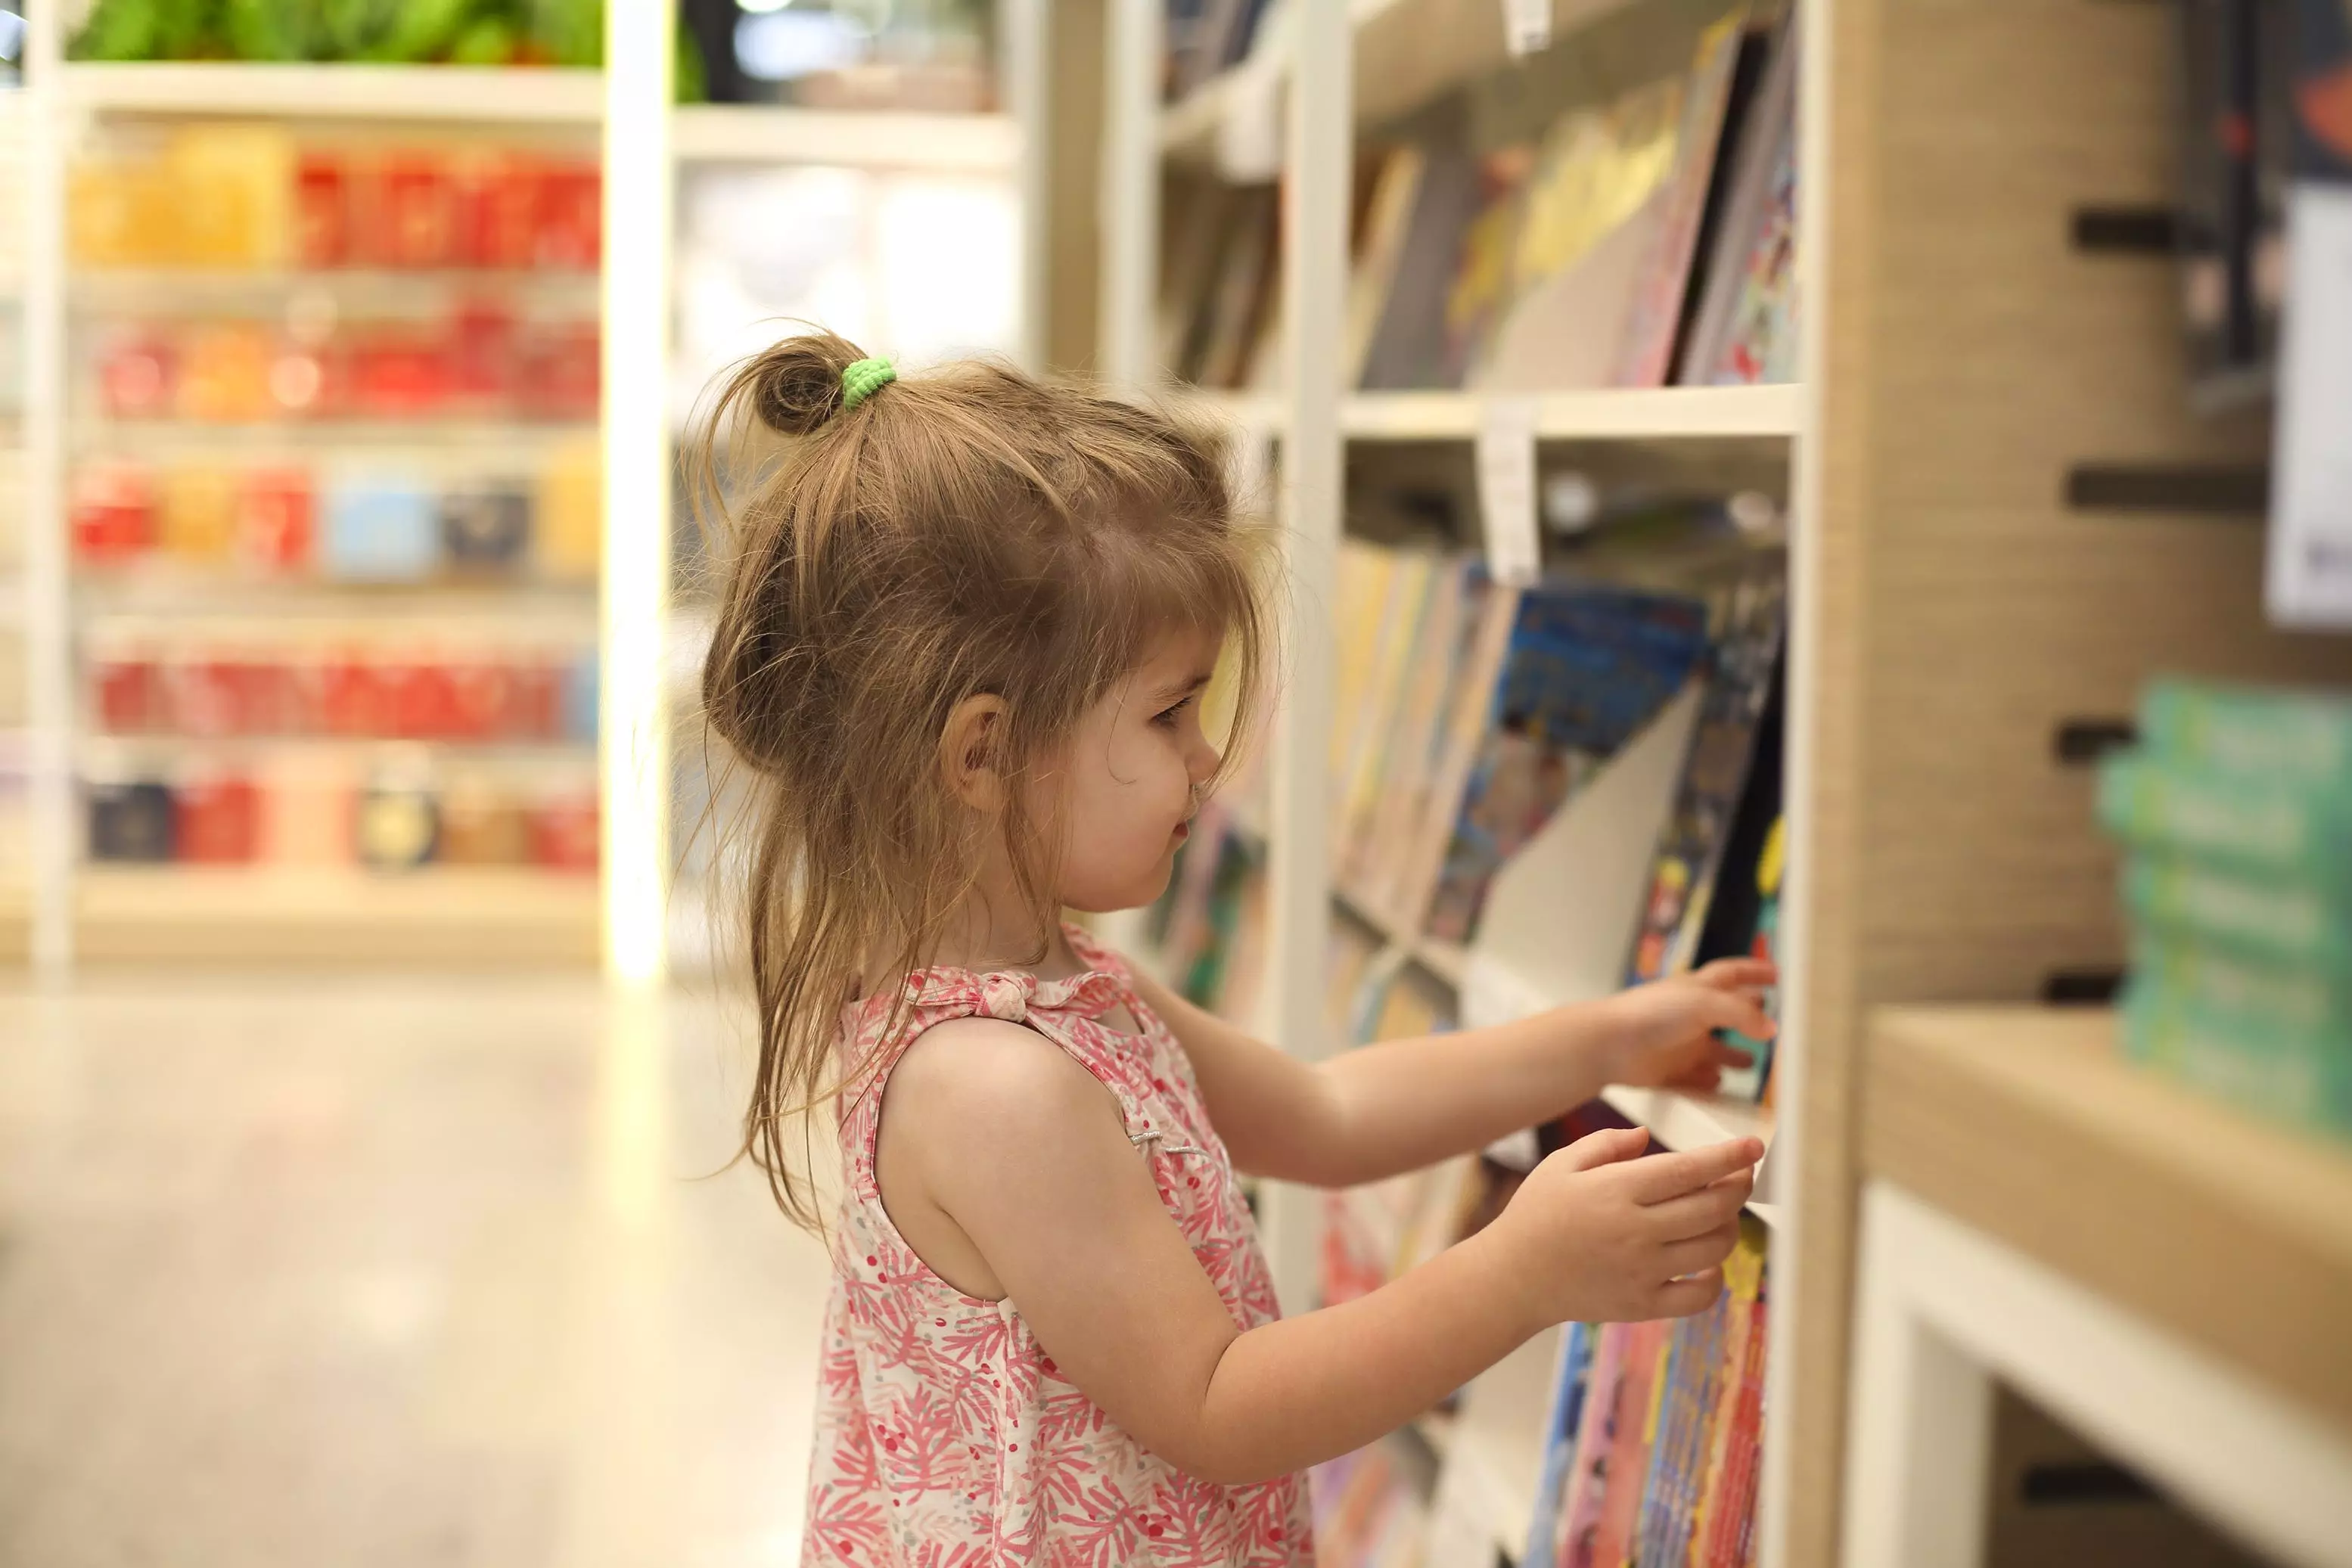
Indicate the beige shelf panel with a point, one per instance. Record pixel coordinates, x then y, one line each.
456 93
2027 1124
445 916
1605 413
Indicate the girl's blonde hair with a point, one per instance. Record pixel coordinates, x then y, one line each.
971 531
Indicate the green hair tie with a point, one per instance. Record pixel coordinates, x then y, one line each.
863 380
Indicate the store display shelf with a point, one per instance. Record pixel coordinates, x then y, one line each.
447 434
572 605
104 753
180 291
471 917
866 138
1607 414
2028 1124
456 93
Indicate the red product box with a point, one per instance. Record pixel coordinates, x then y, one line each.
276 518
138 376
571 217
398 374
536 710
480 356
354 695
500 196
562 369
424 695
113 509
217 820
563 832
414 217
322 209
482 700
126 690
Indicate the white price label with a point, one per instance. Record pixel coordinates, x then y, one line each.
1527 25
2310 579
1507 489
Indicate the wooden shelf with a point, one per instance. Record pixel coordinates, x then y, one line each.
1608 413
2027 1124
747 133
456 93
463 917
1448 961
1494 1449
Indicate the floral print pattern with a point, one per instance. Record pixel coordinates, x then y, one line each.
946 1437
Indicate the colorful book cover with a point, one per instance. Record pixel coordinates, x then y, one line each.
1408 351
1727 1541
1766 130
1411 866
1481 287
1760 345
1581 1491
2237 143
1585 668
1742 678
1569 1386
1412 582
1657 312
2303 737
1629 1449
2292 1076
1749 1082
2191 976
1400 775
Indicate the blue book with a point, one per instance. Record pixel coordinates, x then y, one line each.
379 530
1560 1440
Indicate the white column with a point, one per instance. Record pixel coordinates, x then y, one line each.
55 823
1023 53
634 741
1134 33
1314 289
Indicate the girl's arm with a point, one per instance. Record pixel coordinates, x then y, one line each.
1380 1110
1025 1151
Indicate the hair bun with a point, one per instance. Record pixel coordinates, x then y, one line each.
796 383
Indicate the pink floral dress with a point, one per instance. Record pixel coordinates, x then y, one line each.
945 1436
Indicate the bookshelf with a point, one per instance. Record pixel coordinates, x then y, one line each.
2005 520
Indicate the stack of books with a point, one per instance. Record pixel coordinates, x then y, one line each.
1655 1446
2236 812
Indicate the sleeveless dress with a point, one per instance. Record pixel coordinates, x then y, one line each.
945 1436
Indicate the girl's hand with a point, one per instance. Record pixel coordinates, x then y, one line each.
1663 1034
1605 1236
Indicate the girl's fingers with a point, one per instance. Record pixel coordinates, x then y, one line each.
1754 973
1682 1298
1701 1251
1697 1213
1662 1176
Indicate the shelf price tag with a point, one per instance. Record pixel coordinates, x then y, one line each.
1527 25
1507 489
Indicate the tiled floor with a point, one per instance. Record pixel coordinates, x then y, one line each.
375 1272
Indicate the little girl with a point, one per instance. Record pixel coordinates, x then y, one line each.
962 650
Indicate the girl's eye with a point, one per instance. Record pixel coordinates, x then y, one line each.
1166 718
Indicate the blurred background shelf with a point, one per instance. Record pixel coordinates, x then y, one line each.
465 94
1643 413
461 918
1493 1445
853 139
2030 1124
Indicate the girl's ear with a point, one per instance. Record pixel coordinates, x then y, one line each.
968 753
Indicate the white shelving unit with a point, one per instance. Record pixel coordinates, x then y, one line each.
1328 71
467 95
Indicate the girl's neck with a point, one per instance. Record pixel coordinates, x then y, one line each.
986 936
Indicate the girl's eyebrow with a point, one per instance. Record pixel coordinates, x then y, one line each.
1173 694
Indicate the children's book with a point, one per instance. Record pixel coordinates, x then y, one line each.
2267 732
1766 138
1408 347
1582 1486
1629 1448
1751 1082
1584 669
2261 826
1400 775
1741 681
1481 288
1646 354
1570 1381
